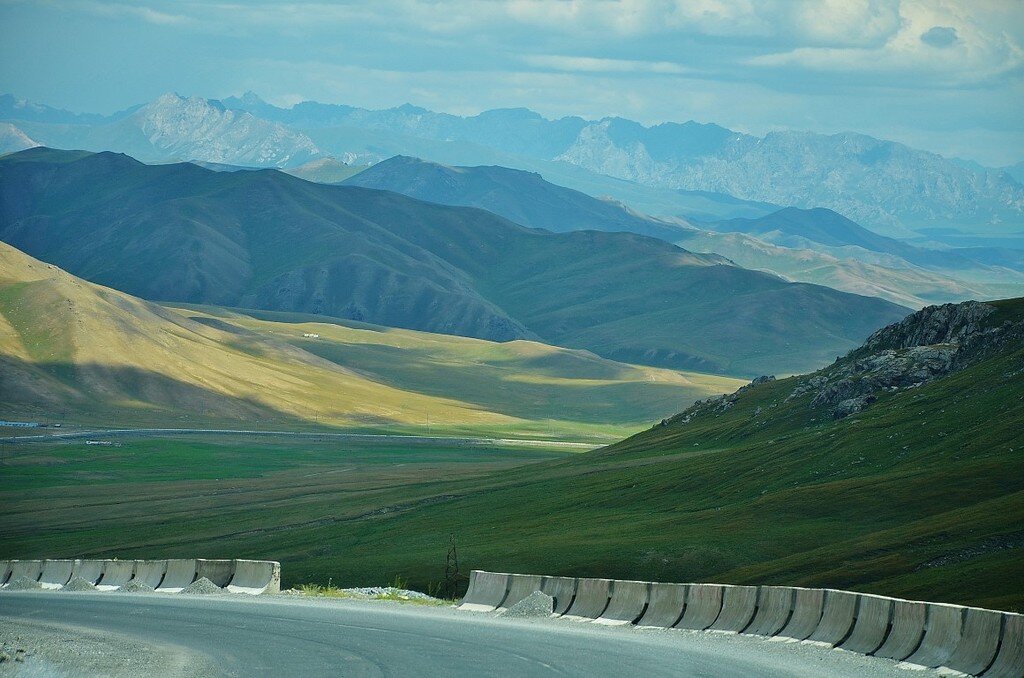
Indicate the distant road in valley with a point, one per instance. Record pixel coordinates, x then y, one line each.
351 437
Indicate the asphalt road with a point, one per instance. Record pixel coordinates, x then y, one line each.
281 635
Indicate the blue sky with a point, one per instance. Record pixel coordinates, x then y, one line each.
943 75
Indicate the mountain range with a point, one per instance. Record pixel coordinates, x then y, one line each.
267 240
692 167
818 246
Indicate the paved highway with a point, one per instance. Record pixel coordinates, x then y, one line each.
281 635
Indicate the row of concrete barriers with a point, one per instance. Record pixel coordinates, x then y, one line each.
167 576
968 640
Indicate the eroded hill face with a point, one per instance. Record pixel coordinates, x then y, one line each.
270 241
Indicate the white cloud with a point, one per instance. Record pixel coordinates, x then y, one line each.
580 64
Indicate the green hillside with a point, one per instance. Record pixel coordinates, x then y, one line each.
263 239
76 352
920 494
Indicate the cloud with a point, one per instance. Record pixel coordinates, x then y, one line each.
578 64
939 36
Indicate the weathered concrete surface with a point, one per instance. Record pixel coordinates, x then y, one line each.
562 589
774 607
808 605
979 642
592 596
520 586
908 620
837 619
255 577
218 572
1009 661
739 604
941 635
873 616
703 603
486 591
25 568
56 573
149 572
666 605
89 570
116 573
629 598
180 573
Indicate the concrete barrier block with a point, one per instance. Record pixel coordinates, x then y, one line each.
703 604
774 608
592 596
180 573
25 568
562 590
808 606
1009 662
907 629
908 621
665 607
739 605
837 617
519 587
116 573
628 602
56 573
255 577
89 570
5 571
979 642
874 614
942 629
149 572
218 572
486 591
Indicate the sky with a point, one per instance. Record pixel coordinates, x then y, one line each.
943 75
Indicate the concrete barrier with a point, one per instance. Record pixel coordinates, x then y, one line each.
486 591
837 617
1009 662
942 629
665 607
56 573
5 571
217 571
739 605
628 603
562 589
874 614
979 642
592 596
908 621
89 570
116 573
774 608
703 603
808 607
180 573
255 577
519 587
149 572
25 568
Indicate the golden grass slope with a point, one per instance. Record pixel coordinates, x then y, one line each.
74 351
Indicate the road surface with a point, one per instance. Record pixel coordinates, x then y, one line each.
165 634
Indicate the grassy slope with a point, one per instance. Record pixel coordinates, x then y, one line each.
921 495
75 351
